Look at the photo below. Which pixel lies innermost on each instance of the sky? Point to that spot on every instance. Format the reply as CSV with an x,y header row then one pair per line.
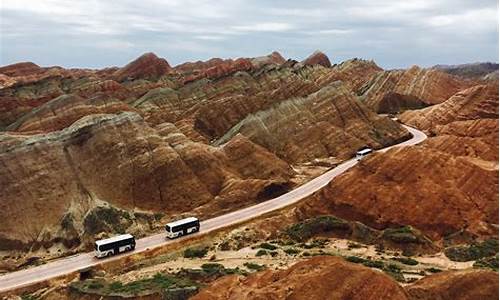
x,y
103,33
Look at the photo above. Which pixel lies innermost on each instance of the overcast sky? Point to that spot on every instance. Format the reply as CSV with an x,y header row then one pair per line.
x,y
99,33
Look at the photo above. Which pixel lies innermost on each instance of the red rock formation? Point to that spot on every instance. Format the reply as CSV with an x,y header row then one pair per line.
x,y
147,66
431,190
216,68
71,171
460,285
478,102
63,111
321,277
317,58
430,86
330,122
20,69
447,184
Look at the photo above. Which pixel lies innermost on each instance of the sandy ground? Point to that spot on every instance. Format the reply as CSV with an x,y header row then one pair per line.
x,y
174,262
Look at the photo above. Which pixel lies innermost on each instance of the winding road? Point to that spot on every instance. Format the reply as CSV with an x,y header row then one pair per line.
x,y
77,262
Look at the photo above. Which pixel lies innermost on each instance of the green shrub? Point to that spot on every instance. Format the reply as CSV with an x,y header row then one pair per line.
x,y
406,260
195,252
355,259
393,268
261,252
322,224
404,234
292,251
488,262
374,264
433,270
273,253
212,267
472,252
268,246
254,266
95,285
116,286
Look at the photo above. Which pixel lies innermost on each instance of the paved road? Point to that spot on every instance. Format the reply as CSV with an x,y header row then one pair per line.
x,y
81,261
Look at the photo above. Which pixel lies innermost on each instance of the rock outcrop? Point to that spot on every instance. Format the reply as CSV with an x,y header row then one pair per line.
x,y
21,69
153,170
478,102
431,190
330,122
273,58
429,86
316,278
317,58
147,66
447,184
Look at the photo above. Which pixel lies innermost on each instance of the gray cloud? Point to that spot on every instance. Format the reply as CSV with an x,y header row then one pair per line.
x,y
98,33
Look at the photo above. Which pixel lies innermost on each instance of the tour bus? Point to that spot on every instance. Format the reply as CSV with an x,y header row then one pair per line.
x,y
114,245
362,153
182,227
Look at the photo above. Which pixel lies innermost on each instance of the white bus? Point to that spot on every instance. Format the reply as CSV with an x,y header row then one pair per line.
x,y
182,227
114,245
362,153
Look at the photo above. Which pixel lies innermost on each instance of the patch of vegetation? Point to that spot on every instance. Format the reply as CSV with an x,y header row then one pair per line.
x,y
433,270
488,262
195,252
254,266
261,252
268,246
67,222
406,260
311,227
107,219
156,284
212,268
374,264
395,272
292,251
405,234
473,252
273,253
29,297
354,259
225,246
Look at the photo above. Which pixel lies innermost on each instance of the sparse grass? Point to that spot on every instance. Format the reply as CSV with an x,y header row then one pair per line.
x,y
156,284
195,252
261,252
